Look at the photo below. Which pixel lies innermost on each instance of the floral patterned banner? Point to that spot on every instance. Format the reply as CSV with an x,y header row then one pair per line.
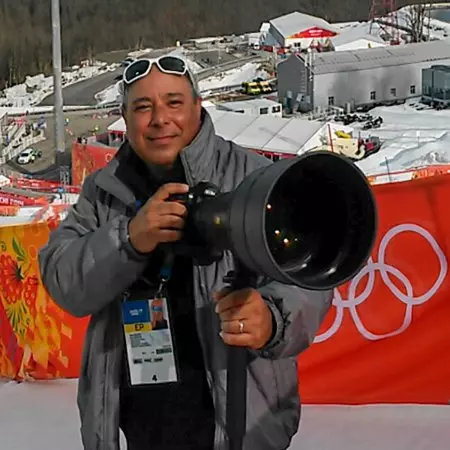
x,y
37,339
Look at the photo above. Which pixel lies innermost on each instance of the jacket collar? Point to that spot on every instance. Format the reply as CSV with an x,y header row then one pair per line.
x,y
197,160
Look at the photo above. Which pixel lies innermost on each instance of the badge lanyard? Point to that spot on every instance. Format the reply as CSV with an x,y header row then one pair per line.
x,y
149,335
165,273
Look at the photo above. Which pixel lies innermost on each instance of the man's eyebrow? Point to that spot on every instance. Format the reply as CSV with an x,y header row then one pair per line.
x,y
141,99
174,94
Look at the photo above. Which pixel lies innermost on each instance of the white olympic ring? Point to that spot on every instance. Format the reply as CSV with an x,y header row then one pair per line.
x,y
385,269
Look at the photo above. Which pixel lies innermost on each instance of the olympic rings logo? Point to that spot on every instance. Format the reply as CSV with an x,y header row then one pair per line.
x,y
385,270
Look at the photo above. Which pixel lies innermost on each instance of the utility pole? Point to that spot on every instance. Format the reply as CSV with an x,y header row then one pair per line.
x,y
57,82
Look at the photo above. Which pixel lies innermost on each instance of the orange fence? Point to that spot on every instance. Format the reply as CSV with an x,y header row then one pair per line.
x,y
43,185
410,174
386,338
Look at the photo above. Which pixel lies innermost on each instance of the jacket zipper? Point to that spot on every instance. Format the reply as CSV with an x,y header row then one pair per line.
x,y
218,429
197,273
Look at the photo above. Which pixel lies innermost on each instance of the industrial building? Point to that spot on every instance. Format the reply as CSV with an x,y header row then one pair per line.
x,y
299,31
436,85
360,77
255,107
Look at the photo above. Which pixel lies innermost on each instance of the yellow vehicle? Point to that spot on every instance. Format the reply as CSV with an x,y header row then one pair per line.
x,y
251,88
265,87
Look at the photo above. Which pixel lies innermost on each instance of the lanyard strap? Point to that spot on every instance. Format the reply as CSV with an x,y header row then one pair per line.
x,y
165,272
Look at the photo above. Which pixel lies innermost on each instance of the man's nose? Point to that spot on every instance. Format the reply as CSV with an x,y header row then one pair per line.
x,y
159,115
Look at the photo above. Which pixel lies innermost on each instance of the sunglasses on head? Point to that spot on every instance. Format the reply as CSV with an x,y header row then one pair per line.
x,y
140,68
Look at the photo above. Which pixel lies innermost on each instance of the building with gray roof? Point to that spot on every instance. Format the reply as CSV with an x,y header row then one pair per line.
x,y
359,77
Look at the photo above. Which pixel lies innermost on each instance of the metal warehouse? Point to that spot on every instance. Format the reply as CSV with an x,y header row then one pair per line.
x,y
359,77
300,30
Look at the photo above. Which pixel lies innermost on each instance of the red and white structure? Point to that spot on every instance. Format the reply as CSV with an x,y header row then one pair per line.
x,y
300,31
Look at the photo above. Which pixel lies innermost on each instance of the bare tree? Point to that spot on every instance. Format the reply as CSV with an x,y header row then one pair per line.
x,y
90,27
417,20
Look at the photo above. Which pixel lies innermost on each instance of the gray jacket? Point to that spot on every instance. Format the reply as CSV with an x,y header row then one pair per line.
x,y
88,263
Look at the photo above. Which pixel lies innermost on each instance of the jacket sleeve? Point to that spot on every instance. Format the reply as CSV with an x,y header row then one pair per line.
x,y
85,266
297,315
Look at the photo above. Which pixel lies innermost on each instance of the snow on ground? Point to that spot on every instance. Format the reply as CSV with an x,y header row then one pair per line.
x,y
109,95
411,138
43,415
345,25
37,109
193,66
434,28
38,87
247,72
139,53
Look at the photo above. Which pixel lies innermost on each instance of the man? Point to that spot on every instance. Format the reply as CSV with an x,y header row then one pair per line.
x,y
111,248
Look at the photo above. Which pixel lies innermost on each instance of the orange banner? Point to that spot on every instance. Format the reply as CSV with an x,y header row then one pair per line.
x,y
87,158
387,338
37,339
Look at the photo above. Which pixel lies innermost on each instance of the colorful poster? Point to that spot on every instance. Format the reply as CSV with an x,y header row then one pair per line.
x,y
37,339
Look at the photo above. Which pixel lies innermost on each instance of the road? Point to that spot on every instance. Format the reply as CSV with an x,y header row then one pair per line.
x,y
82,93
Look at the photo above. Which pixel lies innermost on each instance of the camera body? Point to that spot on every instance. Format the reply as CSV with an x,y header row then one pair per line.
x,y
196,195
193,243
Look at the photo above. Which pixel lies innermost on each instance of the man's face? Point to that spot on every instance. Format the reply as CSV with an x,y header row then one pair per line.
x,y
162,117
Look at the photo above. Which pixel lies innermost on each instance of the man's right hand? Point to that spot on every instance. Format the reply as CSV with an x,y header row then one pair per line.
x,y
159,220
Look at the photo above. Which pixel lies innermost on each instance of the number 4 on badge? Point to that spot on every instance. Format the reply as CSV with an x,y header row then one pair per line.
x,y
155,378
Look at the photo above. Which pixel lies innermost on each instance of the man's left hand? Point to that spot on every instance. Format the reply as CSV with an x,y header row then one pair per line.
x,y
245,318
